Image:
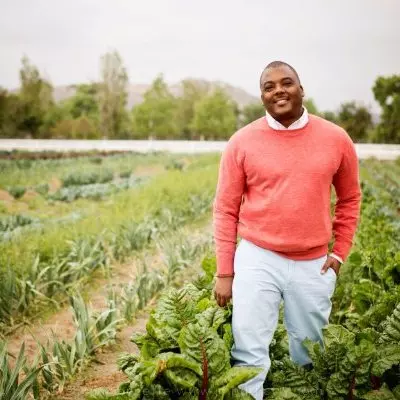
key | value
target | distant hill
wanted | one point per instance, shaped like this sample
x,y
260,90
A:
x,y
136,91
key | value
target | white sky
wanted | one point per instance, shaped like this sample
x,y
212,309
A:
x,y
338,46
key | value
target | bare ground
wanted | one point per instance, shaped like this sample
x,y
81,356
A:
x,y
102,373
61,323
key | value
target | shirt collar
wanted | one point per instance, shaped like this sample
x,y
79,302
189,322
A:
x,y
300,123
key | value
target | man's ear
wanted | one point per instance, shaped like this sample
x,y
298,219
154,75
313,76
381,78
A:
x,y
302,91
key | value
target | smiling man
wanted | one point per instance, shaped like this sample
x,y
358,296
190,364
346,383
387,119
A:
x,y
274,191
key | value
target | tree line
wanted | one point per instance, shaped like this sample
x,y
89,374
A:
x,y
201,111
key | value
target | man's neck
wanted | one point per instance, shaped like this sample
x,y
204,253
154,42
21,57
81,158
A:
x,y
286,122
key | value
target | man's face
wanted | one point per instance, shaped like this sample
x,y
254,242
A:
x,y
281,93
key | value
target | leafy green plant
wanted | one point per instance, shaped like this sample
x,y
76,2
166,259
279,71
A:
x,y
12,222
87,178
42,189
93,330
94,191
183,354
18,381
17,191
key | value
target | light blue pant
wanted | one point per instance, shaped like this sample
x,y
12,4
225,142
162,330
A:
x,y
262,279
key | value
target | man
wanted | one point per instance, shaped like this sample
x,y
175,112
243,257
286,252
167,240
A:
x,y
274,191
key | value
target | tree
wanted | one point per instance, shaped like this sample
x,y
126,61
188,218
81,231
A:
x,y
251,112
310,106
156,116
82,106
387,94
10,114
85,128
215,116
85,102
56,114
192,92
113,96
356,120
36,98
329,115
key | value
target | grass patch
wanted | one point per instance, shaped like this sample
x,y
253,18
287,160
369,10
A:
x,y
171,189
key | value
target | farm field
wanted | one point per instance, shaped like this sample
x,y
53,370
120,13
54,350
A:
x,y
106,275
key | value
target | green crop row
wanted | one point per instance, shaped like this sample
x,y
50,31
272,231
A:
x,y
184,353
60,361
28,174
40,267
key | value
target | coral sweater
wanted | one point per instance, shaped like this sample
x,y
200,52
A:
x,y
274,190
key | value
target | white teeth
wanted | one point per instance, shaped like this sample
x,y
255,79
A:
x,y
281,102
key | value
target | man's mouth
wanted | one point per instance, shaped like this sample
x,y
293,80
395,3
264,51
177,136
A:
x,y
282,102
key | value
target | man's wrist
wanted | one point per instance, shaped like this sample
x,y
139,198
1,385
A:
x,y
224,275
336,257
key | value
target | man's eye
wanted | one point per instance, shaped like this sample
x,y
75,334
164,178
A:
x,y
287,83
268,88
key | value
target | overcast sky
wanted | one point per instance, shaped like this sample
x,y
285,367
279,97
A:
x,y
338,47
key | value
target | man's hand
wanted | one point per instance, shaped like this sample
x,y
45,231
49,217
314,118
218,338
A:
x,y
223,290
331,262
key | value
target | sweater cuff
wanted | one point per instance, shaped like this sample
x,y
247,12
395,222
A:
x,y
225,264
342,249
337,257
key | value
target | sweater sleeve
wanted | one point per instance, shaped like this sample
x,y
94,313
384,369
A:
x,y
230,188
348,193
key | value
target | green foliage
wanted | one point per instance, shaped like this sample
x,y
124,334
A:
x,y
330,116
391,332
251,112
12,115
382,394
12,222
192,92
36,98
84,102
309,104
42,189
95,191
12,385
98,109
46,277
86,178
112,91
93,331
215,116
283,394
356,120
157,115
17,191
183,352
54,117
387,94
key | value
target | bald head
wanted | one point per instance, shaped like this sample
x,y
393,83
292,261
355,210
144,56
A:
x,y
278,64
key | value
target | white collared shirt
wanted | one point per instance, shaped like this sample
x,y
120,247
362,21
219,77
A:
x,y
300,123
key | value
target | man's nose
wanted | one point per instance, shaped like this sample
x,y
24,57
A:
x,y
279,89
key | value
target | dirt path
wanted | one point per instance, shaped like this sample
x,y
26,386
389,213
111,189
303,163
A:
x,y
104,373
61,323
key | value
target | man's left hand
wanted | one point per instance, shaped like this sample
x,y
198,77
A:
x,y
331,262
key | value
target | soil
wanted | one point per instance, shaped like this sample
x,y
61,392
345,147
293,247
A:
x,y
54,185
61,323
103,372
29,195
5,196
148,170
